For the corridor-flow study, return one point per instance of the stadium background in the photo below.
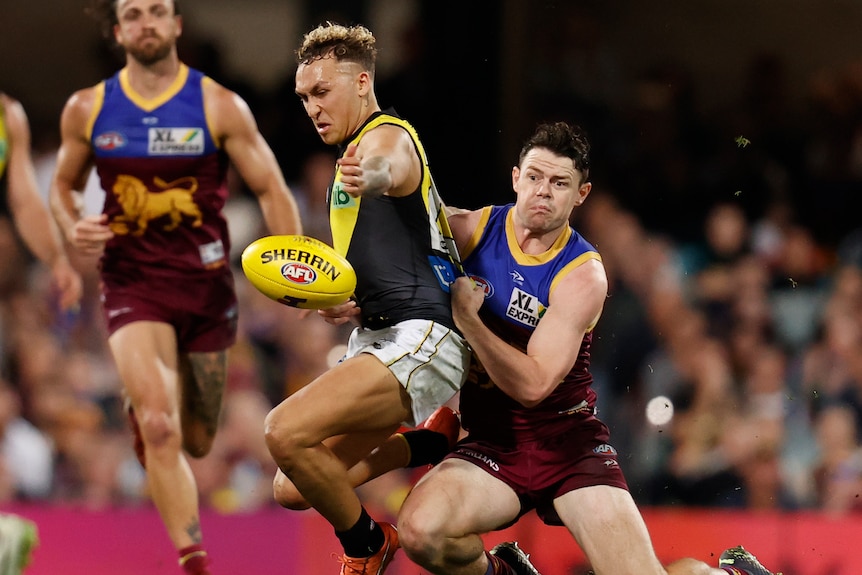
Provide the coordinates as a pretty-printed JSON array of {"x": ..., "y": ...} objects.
[{"x": 665, "y": 88}]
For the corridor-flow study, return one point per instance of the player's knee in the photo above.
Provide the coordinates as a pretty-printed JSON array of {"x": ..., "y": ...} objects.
[
  {"x": 420, "y": 543},
  {"x": 286, "y": 494},
  {"x": 157, "y": 429},
  {"x": 283, "y": 440}
]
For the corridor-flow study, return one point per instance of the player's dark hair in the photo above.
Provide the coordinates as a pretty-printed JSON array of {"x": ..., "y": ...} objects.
[
  {"x": 345, "y": 43},
  {"x": 105, "y": 13},
  {"x": 562, "y": 139}
]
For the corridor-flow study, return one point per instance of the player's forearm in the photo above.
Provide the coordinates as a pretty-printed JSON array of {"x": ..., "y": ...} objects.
[
  {"x": 514, "y": 372},
  {"x": 40, "y": 234},
  {"x": 280, "y": 211},
  {"x": 64, "y": 210}
]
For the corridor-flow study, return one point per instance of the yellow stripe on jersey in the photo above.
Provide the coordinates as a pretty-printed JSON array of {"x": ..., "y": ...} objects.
[
  {"x": 477, "y": 233},
  {"x": 98, "y": 102},
  {"x": 344, "y": 208},
  {"x": 150, "y": 104},
  {"x": 530, "y": 259}
]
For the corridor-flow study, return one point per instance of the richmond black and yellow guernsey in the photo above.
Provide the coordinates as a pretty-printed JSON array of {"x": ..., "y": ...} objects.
[{"x": 394, "y": 244}]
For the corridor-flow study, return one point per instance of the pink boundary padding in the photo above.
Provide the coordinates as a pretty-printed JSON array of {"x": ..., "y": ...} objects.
[{"x": 131, "y": 541}]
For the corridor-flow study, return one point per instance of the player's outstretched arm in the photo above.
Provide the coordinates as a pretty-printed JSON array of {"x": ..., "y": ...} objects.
[{"x": 237, "y": 131}]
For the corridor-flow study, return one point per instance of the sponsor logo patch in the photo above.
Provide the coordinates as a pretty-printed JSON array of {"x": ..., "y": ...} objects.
[
  {"x": 340, "y": 198},
  {"x": 480, "y": 457},
  {"x": 212, "y": 253},
  {"x": 109, "y": 141},
  {"x": 525, "y": 308},
  {"x": 444, "y": 271},
  {"x": 175, "y": 141}
]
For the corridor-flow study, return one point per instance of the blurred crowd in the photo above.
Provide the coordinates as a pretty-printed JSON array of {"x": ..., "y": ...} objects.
[{"x": 735, "y": 264}]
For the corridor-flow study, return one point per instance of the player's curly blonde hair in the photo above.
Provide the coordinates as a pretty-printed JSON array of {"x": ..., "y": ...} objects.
[{"x": 344, "y": 43}]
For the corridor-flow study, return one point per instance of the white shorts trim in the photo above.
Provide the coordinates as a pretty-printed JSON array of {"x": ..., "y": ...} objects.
[{"x": 429, "y": 359}]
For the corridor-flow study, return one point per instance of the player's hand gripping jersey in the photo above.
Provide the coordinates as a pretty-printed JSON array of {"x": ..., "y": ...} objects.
[{"x": 517, "y": 290}]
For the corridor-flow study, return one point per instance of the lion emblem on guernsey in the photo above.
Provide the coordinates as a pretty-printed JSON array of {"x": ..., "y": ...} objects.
[{"x": 141, "y": 206}]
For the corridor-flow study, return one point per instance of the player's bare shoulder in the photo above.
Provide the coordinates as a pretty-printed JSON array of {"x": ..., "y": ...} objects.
[
  {"x": 227, "y": 112},
  {"x": 463, "y": 223},
  {"x": 389, "y": 139},
  {"x": 583, "y": 288},
  {"x": 79, "y": 110},
  {"x": 590, "y": 273}
]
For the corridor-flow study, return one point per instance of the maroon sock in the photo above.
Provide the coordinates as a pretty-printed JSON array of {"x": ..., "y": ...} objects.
[{"x": 194, "y": 560}]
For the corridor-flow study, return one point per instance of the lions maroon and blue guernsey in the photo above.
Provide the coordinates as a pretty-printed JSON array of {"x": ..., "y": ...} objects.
[
  {"x": 559, "y": 445},
  {"x": 517, "y": 289},
  {"x": 164, "y": 178}
]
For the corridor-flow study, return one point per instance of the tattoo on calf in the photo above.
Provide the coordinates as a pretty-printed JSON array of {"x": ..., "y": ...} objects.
[{"x": 204, "y": 390}]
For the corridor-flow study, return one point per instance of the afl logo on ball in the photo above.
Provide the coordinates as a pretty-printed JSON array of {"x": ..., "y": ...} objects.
[{"x": 298, "y": 273}]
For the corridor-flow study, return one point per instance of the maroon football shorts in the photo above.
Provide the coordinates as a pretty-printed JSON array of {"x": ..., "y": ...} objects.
[
  {"x": 540, "y": 471},
  {"x": 203, "y": 311}
]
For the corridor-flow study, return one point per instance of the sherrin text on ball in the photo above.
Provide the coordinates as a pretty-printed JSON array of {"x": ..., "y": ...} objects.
[{"x": 299, "y": 271}]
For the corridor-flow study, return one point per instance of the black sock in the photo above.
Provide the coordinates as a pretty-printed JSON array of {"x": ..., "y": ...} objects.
[
  {"x": 364, "y": 539},
  {"x": 427, "y": 447}
]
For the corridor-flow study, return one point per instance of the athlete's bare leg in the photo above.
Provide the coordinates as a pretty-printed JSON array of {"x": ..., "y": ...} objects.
[
  {"x": 601, "y": 517},
  {"x": 146, "y": 357},
  {"x": 357, "y": 396},
  {"x": 441, "y": 521},
  {"x": 203, "y": 383},
  {"x": 392, "y": 454}
]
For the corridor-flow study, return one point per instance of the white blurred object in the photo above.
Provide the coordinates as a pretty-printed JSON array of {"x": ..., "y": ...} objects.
[{"x": 659, "y": 410}]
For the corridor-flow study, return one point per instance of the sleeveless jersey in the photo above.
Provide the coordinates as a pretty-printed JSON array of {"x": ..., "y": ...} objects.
[
  {"x": 517, "y": 289},
  {"x": 164, "y": 179},
  {"x": 394, "y": 244}
]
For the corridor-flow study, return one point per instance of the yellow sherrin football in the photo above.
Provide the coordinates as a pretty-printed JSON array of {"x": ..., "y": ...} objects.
[{"x": 298, "y": 271}]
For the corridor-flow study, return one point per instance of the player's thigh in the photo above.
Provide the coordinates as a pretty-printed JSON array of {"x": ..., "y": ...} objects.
[
  {"x": 607, "y": 524},
  {"x": 145, "y": 353},
  {"x": 358, "y": 395},
  {"x": 456, "y": 498}
]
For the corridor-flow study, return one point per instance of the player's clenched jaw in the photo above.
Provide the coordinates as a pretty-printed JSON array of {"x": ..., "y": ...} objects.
[
  {"x": 147, "y": 29},
  {"x": 334, "y": 95},
  {"x": 548, "y": 188}
]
